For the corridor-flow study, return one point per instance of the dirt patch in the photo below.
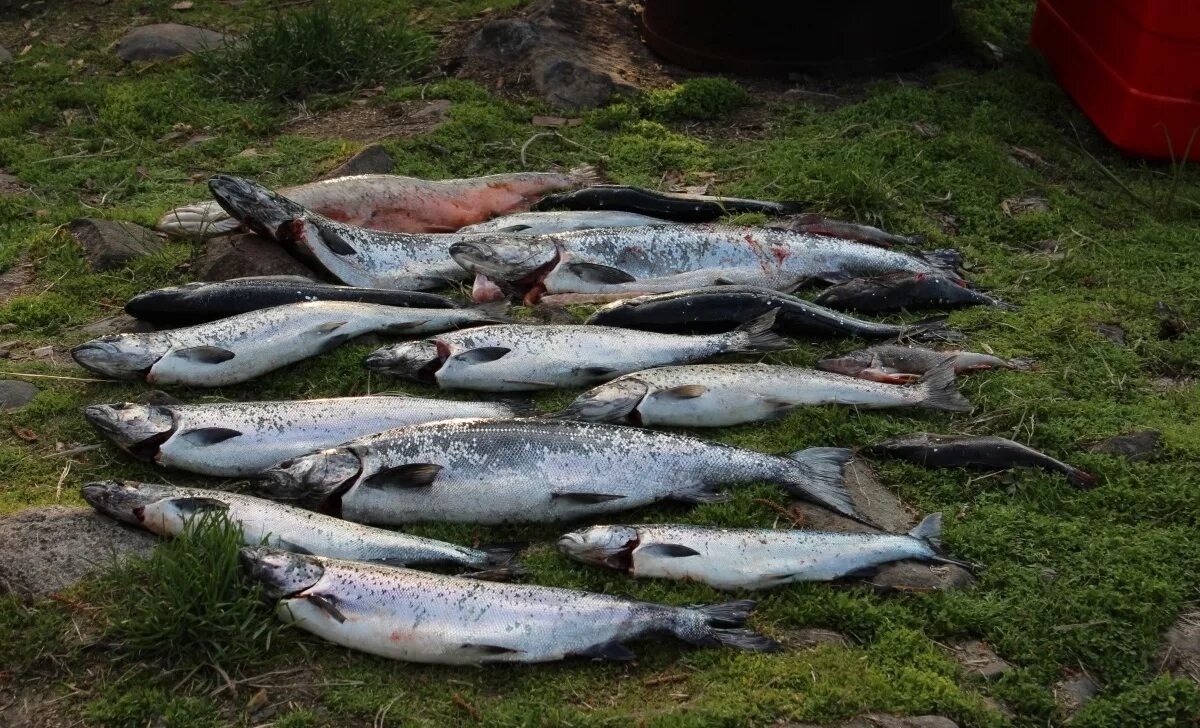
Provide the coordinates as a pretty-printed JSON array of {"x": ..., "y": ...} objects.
[
  {"x": 17, "y": 280},
  {"x": 30, "y": 706},
  {"x": 1179, "y": 654},
  {"x": 366, "y": 124}
]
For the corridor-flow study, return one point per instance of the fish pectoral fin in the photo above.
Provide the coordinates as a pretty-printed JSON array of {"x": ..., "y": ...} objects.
[
  {"x": 596, "y": 273},
  {"x": 611, "y": 650},
  {"x": 481, "y": 355},
  {"x": 585, "y": 498},
  {"x": 284, "y": 545},
  {"x": 205, "y": 436},
  {"x": 409, "y": 475},
  {"x": 336, "y": 243},
  {"x": 401, "y": 327},
  {"x": 485, "y": 650},
  {"x": 667, "y": 550},
  {"x": 204, "y": 354},
  {"x": 700, "y": 495},
  {"x": 326, "y": 604},
  {"x": 328, "y": 326},
  {"x": 886, "y": 375},
  {"x": 197, "y": 505},
  {"x": 780, "y": 408},
  {"x": 685, "y": 391}
]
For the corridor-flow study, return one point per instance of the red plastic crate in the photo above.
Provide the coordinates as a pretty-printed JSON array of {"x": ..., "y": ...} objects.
[{"x": 1133, "y": 66}]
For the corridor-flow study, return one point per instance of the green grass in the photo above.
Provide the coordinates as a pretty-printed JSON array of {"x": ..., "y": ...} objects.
[{"x": 1073, "y": 580}]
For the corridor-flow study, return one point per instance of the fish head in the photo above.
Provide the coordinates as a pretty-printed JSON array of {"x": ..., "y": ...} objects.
[
  {"x": 138, "y": 429},
  {"x": 117, "y": 356},
  {"x": 504, "y": 259},
  {"x": 122, "y": 500},
  {"x": 416, "y": 360},
  {"x": 315, "y": 480},
  {"x": 849, "y": 364},
  {"x": 253, "y": 205},
  {"x": 611, "y": 402},
  {"x": 280, "y": 573},
  {"x": 610, "y": 546}
]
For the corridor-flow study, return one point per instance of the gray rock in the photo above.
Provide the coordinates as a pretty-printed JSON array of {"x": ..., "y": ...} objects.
[
  {"x": 167, "y": 40},
  {"x": 1112, "y": 332},
  {"x": 1135, "y": 446},
  {"x": 914, "y": 576},
  {"x": 979, "y": 659},
  {"x": 373, "y": 159},
  {"x": 5, "y": 55},
  {"x": 807, "y": 637},
  {"x": 15, "y": 394},
  {"x": 242, "y": 256},
  {"x": 109, "y": 244},
  {"x": 50, "y": 548},
  {"x": 1073, "y": 693},
  {"x": 504, "y": 40},
  {"x": 570, "y": 83},
  {"x": 1179, "y": 653}
]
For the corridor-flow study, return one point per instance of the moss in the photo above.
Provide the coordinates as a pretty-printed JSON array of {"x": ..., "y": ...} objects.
[{"x": 697, "y": 98}]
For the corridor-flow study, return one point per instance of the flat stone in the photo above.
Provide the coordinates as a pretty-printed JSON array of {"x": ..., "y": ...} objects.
[
  {"x": 504, "y": 40},
  {"x": 1179, "y": 653},
  {"x": 570, "y": 83},
  {"x": 15, "y": 394},
  {"x": 1073, "y": 693},
  {"x": 977, "y": 658},
  {"x": 1112, "y": 332},
  {"x": 162, "y": 41},
  {"x": 1135, "y": 446},
  {"x": 110, "y": 244},
  {"x": 808, "y": 637},
  {"x": 5, "y": 55},
  {"x": 373, "y": 159},
  {"x": 915, "y": 576},
  {"x": 50, "y": 548},
  {"x": 246, "y": 255},
  {"x": 874, "y": 501}
]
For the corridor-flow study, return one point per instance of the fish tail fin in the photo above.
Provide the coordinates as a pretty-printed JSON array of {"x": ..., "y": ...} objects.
[
  {"x": 756, "y": 335},
  {"x": 508, "y": 572},
  {"x": 501, "y": 554},
  {"x": 496, "y": 311},
  {"x": 745, "y": 639},
  {"x": 944, "y": 259},
  {"x": 818, "y": 474},
  {"x": 727, "y": 614},
  {"x": 586, "y": 176},
  {"x": 932, "y": 329},
  {"x": 1080, "y": 479},
  {"x": 938, "y": 391},
  {"x": 929, "y": 530},
  {"x": 722, "y": 624}
]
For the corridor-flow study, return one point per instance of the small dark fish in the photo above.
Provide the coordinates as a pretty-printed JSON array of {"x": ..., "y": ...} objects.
[
  {"x": 967, "y": 451},
  {"x": 896, "y": 364},
  {"x": 905, "y": 290},
  {"x": 200, "y": 302},
  {"x": 815, "y": 224},
  {"x": 723, "y": 308},
  {"x": 666, "y": 205}
]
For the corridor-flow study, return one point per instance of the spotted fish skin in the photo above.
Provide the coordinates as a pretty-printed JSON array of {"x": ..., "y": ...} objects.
[
  {"x": 421, "y": 617},
  {"x": 240, "y": 439},
  {"x": 537, "y": 470}
]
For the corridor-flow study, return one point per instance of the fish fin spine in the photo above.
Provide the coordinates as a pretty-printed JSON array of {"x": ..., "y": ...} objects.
[
  {"x": 938, "y": 390},
  {"x": 929, "y": 530},
  {"x": 757, "y": 335},
  {"x": 818, "y": 474}
]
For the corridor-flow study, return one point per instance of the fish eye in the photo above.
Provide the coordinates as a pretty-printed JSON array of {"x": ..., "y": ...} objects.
[{"x": 286, "y": 464}]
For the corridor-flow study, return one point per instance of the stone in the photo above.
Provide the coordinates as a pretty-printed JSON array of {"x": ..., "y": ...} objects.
[
  {"x": 5, "y": 55},
  {"x": 109, "y": 244},
  {"x": 504, "y": 40},
  {"x": 1179, "y": 653},
  {"x": 162, "y": 41},
  {"x": 15, "y": 394},
  {"x": 808, "y": 637},
  {"x": 977, "y": 658},
  {"x": 245, "y": 255},
  {"x": 916, "y": 576},
  {"x": 7, "y": 328},
  {"x": 1135, "y": 446},
  {"x": 50, "y": 548},
  {"x": 570, "y": 83},
  {"x": 1072, "y": 693},
  {"x": 1112, "y": 332},
  {"x": 373, "y": 159}
]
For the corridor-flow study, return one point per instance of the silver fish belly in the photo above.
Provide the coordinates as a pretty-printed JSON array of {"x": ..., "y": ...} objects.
[{"x": 550, "y": 223}]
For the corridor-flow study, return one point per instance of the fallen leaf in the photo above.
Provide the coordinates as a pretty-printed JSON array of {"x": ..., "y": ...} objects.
[
  {"x": 24, "y": 433},
  {"x": 183, "y": 5},
  {"x": 251, "y": 152},
  {"x": 257, "y": 700},
  {"x": 1015, "y": 206}
]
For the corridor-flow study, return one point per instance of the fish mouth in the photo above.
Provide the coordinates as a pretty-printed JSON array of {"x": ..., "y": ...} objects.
[
  {"x": 253, "y": 205},
  {"x": 521, "y": 278},
  {"x": 619, "y": 558},
  {"x": 106, "y": 359},
  {"x": 281, "y": 574},
  {"x": 415, "y": 360},
  {"x": 117, "y": 500},
  {"x": 132, "y": 427}
]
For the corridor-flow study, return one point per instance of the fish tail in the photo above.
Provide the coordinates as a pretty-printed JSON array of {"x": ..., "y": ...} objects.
[
  {"x": 929, "y": 530},
  {"x": 937, "y": 389},
  {"x": 818, "y": 474},
  {"x": 745, "y": 639},
  {"x": 510, "y": 572},
  {"x": 495, "y": 311},
  {"x": 722, "y": 624},
  {"x": 728, "y": 614},
  {"x": 932, "y": 329},
  {"x": 756, "y": 335},
  {"x": 948, "y": 260},
  {"x": 502, "y": 554},
  {"x": 586, "y": 176},
  {"x": 1080, "y": 479}
]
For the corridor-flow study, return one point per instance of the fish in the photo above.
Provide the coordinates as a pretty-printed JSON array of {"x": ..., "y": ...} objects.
[
  {"x": 905, "y": 290},
  {"x": 532, "y": 470},
  {"x": 720, "y": 395},
  {"x": 241, "y": 439},
  {"x": 749, "y": 558},
  {"x": 167, "y": 510},
  {"x": 242, "y": 347},
  {"x": 355, "y": 256},
  {"x": 970, "y": 451},
  {"x": 667, "y": 205},
  {"x": 546, "y": 223},
  {"x": 395, "y": 203},
  {"x": 522, "y": 357},
  {"x": 722, "y": 308},
  {"x": 896, "y": 364},
  {"x": 821, "y": 225},
  {"x": 416, "y": 616},
  {"x": 643, "y": 260},
  {"x": 201, "y": 302}
]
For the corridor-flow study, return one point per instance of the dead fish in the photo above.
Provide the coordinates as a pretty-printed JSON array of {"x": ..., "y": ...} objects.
[
  {"x": 547, "y": 223},
  {"x": 968, "y": 451},
  {"x": 200, "y": 302},
  {"x": 666, "y": 205},
  {"x": 821, "y": 225},
  {"x": 395, "y": 203},
  {"x": 905, "y": 290},
  {"x": 898, "y": 364},
  {"x": 749, "y": 558},
  {"x": 421, "y": 617}
]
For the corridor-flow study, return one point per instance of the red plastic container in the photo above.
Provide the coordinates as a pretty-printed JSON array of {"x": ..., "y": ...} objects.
[{"x": 1133, "y": 66}]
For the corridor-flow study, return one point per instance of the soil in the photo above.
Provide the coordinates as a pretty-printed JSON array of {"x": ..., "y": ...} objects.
[{"x": 366, "y": 124}]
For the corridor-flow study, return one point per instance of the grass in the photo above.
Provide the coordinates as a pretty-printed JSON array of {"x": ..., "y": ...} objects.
[{"x": 1073, "y": 580}]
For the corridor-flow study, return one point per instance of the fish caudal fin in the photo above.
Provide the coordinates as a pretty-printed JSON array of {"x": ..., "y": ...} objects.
[
  {"x": 945, "y": 259},
  {"x": 932, "y": 329},
  {"x": 728, "y": 614},
  {"x": 938, "y": 391},
  {"x": 929, "y": 530},
  {"x": 819, "y": 475},
  {"x": 757, "y": 335},
  {"x": 1080, "y": 479},
  {"x": 586, "y": 176},
  {"x": 723, "y": 626},
  {"x": 502, "y": 554},
  {"x": 745, "y": 639}
]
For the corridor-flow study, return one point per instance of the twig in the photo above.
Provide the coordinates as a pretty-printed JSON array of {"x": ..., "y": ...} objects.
[
  {"x": 72, "y": 451},
  {"x": 378, "y": 722},
  {"x": 664, "y": 679},
  {"x": 62, "y": 479},
  {"x": 796, "y": 519},
  {"x": 461, "y": 702},
  {"x": 51, "y": 376}
]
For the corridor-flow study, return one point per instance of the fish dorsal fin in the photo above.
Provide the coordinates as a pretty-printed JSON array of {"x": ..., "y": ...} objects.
[
  {"x": 596, "y": 273},
  {"x": 585, "y": 498},
  {"x": 612, "y": 650},
  {"x": 328, "y": 327},
  {"x": 336, "y": 243},
  {"x": 409, "y": 475},
  {"x": 197, "y": 505},
  {"x": 204, "y": 354},
  {"x": 667, "y": 550},
  {"x": 205, "y": 436},
  {"x": 481, "y": 355},
  {"x": 326, "y": 604},
  {"x": 684, "y": 391}
]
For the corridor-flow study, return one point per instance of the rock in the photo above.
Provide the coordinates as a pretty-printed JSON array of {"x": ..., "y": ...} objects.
[
  {"x": 15, "y": 394},
  {"x": 167, "y": 40},
  {"x": 807, "y": 637},
  {"x": 915, "y": 576},
  {"x": 1179, "y": 654},
  {"x": 874, "y": 501},
  {"x": 156, "y": 397},
  {"x": 884, "y": 720},
  {"x": 1135, "y": 446},
  {"x": 7, "y": 328},
  {"x": 50, "y": 548},
  {"x": 504, "y": 40},
  {"x": 1073, "y": 693},
  {"x": 373, "y": 159},
  {"x": 1112, "y": 332},
  {"x": 110, "y": 244},
  {"x": 571, "y": 83},
  {"x": 5, "y": 55},
  {"x": 241, "y": 256},
  {"x": 977, "y": 658}
]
